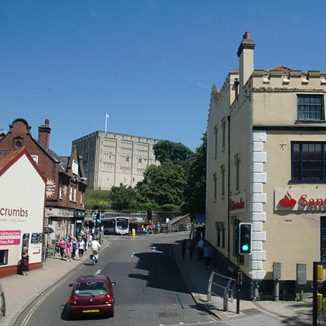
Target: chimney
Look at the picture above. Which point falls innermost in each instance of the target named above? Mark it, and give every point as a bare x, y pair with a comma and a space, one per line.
44, 134
246, 59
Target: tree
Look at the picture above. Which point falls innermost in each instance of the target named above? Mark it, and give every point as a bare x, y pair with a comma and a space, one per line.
122, 197
195, 194
176, 152
164, 184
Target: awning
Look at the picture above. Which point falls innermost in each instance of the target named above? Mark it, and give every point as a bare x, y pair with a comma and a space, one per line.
48, 230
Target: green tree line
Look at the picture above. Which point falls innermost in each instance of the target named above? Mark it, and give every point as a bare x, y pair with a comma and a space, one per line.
177, 184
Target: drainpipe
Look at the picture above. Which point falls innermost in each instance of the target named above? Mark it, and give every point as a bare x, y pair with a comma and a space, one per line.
229, 187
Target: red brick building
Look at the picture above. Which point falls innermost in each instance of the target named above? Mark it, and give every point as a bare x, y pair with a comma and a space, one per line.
65, 178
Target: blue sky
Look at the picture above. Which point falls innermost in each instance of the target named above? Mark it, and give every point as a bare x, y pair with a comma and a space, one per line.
149, 64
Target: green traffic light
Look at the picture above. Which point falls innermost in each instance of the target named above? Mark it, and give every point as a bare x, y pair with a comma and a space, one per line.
245, 247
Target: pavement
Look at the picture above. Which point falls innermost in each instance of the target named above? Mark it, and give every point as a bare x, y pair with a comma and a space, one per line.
20, 291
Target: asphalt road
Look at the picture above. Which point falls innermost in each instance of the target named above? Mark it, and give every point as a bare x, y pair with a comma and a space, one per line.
150, 289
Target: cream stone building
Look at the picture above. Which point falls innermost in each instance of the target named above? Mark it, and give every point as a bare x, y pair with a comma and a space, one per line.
266, 165
111, 159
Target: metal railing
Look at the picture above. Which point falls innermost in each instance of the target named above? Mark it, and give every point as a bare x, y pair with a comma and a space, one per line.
221, 286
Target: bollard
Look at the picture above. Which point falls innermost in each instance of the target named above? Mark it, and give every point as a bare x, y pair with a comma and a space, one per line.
133, 232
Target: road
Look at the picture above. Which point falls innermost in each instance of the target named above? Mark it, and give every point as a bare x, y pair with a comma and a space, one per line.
149, 287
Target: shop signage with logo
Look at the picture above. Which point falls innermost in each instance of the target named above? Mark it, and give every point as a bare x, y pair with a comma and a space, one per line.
238, 203
58, 212
300, 199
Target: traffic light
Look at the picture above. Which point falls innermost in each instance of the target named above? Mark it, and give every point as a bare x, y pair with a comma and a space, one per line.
98, 217
244, 238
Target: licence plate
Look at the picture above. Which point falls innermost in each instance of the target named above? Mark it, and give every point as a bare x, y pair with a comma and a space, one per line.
90, 310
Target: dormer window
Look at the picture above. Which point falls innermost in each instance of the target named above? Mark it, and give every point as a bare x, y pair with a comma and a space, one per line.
18, 144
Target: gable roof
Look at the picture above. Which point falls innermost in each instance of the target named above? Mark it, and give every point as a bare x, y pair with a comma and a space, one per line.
9, 156
6, 156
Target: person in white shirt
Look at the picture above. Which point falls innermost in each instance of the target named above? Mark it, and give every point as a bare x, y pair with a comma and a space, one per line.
95, 246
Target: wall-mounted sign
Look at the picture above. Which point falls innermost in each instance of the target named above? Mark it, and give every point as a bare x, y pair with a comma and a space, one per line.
10, 238
50, 188
300, 199
37, 238
238, 203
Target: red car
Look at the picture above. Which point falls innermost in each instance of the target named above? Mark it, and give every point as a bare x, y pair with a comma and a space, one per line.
91, 295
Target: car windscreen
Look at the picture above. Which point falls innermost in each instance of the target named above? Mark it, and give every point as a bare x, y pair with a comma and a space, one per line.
90, 288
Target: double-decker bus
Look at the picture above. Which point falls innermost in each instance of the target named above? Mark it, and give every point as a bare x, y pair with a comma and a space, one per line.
115, 225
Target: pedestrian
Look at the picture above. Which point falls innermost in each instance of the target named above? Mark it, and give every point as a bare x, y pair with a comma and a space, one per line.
24, 262
200, 247
88, 241
191, 249
62, 246
183, 248
74, 248
69, 249
81, 248
207, 255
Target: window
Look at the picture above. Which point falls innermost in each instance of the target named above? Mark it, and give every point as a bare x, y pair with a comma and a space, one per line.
308, 161
35, 158
4, 257
215, 141
215, 185
237, 172
218, 232
223, 134
60, 191
310, 107
222, 181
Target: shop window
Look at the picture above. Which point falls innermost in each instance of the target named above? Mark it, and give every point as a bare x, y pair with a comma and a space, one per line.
308, 161
310, 107
4, 257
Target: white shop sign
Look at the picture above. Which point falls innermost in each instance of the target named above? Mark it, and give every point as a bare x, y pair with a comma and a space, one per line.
300, 199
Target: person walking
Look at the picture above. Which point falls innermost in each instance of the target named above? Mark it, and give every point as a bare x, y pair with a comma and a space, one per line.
62, 246
200, 246
81, 248
69, 249
207, 252
74, 248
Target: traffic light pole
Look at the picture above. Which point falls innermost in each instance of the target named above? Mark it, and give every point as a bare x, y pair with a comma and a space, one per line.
239, 283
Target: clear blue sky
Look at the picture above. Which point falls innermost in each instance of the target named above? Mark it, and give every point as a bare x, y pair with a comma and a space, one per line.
149, 64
